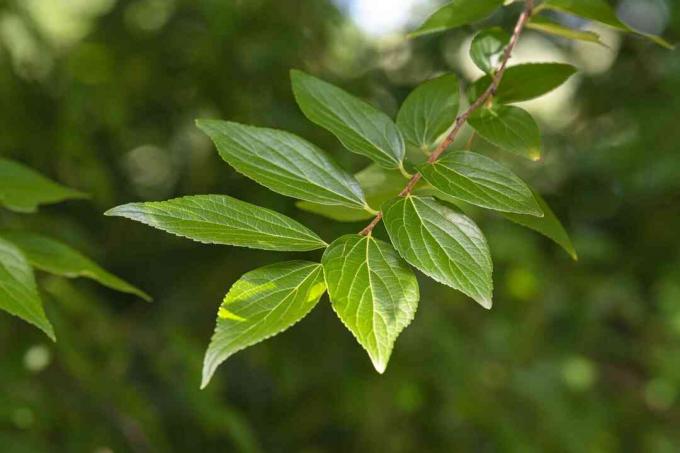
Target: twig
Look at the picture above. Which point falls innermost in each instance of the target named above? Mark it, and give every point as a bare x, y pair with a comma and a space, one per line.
463, 117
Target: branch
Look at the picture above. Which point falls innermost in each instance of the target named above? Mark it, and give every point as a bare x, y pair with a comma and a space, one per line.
463, 117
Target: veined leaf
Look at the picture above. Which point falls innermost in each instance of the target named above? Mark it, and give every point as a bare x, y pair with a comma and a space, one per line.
553, 28
548, 225
23, 189
261, 304
373, 291
360, 127
487, 47
599, 11
57, 258
456, 14
481, 181
442, 244
429, 110
525, 82
284, 163
378, 184
509, 128
219, 219
18, 292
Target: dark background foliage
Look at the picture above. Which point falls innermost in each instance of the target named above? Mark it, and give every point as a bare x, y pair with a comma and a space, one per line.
575, 356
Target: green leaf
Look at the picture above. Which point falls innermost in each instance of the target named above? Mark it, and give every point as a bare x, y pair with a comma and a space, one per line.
55, 257
261, 304
548, 225
219, 219
359, 126
509, 128
442, 244
18, 291
378, 184
456, 14
23, 189
553, 28
283, 163
487, 47
481, 181
373, 291
429, 111
525, 82
599, 11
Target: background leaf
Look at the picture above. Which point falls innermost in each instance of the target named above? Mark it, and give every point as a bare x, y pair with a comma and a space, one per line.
261, 304
525, 82
55, 257
456, 14
510, 128
284, 163
442, 244
373, 291
429, 111
23, 189
487, 47
219, 219
481, 181
18, 292
360, 127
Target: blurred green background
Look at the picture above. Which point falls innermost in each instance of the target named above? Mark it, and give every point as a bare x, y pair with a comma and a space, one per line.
575, 356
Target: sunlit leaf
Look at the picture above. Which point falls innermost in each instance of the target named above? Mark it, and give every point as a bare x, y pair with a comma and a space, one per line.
481, 181
261, 304
525, 82
284, 163
510, 128
442, 244
23, 189
18, 292
55, 257
487, 47
360, 127
219, 219
373, 291
429, 111
456, 14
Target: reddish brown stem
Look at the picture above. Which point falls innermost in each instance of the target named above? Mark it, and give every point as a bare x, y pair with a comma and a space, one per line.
463, 117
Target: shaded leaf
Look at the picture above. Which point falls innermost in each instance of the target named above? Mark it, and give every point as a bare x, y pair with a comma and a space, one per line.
372, 290
57, 258
284, 163
261, 304
481, 181
456, 14
549, 225
23, 189
359, 126
487, 47
441, 243
525, 82
378, 184
219, 219
553, 28
18, 291
509, 128
599, 11
429, 111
